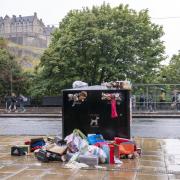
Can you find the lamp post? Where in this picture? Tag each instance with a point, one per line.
(11, 74)
(11, 78)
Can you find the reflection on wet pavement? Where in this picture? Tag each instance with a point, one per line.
(160, 161)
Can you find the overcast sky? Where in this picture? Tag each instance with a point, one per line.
(163, 12)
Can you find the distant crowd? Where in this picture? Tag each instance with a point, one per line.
(15, 103)
(148, 103)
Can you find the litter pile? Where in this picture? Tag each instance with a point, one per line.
(78, 150)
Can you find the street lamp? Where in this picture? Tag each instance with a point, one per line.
(11, 78)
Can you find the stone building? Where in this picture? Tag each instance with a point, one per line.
(26, 30)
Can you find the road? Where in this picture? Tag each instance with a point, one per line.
(155, 128)
(30, 126)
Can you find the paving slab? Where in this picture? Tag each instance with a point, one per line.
(159, 161)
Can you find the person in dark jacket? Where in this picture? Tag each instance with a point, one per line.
(142, 102)
(21, 101)
(7, 101)
(12, 106)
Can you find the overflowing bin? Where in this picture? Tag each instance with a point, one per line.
(97, 110)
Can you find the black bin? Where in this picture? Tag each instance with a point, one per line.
(94, 114)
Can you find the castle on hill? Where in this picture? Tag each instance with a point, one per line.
(26, 30)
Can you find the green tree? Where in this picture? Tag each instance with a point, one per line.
(102, 44)
(11, 76)
(171, 72)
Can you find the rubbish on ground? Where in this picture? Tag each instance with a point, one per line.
(56, 149)
(100, 167)
(89, 160)
(36, 143)
(18, 151)
(117, 161)
(95, 138)
(118, 140)
(111, 154)
(139, 151)
(46, 156)
(51, 139)
(77, 150)
(76, 165)
(42, 155)
(59, 141)
(69, 155)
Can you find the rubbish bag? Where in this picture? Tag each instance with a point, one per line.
(76, 141)
(57, 149)
(78, 84)
(95, 138)
(94, 150)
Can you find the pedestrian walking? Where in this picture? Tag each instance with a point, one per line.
(178, 101)
(21, 100)
(7, 100)
(133, 98)
(142, 102)
(174, 100)
(150, 104)
(12, 106)
(162, 98)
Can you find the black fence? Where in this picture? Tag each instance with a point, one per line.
(46, 101)
(156, 106)
(44, 105)
(144, 97)
(52, 101)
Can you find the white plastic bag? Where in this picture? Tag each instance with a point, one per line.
(76, 143)
(78, 84)
(94, 150)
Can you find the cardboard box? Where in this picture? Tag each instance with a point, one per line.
(89, 160)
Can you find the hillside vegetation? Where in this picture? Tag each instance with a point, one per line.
(27, 56)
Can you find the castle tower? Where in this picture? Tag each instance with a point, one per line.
(7, 24)
(25, 30)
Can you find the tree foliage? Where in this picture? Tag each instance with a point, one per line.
(101, 44)
(11, 74)
(171, 72)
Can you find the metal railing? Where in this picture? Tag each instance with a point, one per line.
(148, 97)
(145, 97)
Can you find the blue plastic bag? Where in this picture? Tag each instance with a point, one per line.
(93, 139)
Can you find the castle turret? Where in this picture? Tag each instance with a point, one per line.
(6, 17)
(26, 30)
(35, 14)
(6, 24)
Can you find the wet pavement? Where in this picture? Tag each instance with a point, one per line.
(160, 161)
(160, 155)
